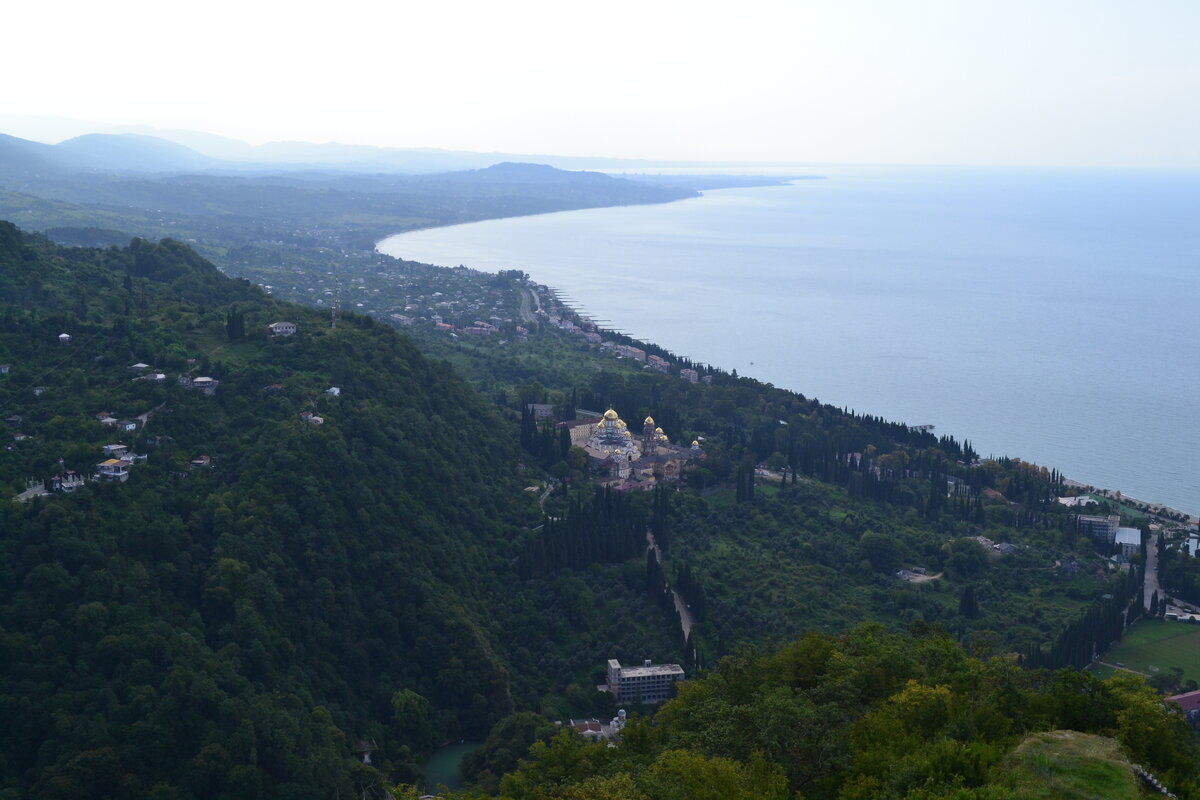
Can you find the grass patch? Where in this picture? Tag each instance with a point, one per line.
(1065, 765)
(1154, 645)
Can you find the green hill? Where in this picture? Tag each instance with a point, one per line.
(868, 715)
(1068, 765)
(233, 626)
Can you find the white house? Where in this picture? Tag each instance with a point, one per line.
(68, 482)
(282, 328)
(205, 384)
(64, 338)
(114, 469)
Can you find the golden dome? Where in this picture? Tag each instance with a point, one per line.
(658, 430)
(621, 424)
(649, 421)
(695, 443)
(610, 414)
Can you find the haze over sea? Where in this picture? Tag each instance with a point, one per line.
(1049, 315)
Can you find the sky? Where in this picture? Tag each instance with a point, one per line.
(1016, 82)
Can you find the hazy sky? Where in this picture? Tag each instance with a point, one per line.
(1046, 82)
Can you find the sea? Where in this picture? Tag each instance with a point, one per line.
(1049, 315)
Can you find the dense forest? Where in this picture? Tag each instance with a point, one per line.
(871, 715)
(802, 514)
(263, 593)
(337, 547)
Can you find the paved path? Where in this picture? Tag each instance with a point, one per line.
(1151, 584)
(686, 620)
(528, 297)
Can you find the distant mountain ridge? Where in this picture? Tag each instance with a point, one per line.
(207, 151)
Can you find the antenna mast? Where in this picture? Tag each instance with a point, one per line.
(337, 302)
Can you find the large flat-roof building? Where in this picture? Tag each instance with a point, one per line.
(1129, 540)
(1102, 529)
(649, 683)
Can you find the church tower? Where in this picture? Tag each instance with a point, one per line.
(648, 435)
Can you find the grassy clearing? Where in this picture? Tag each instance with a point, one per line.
(1064, 765)
(1153, 646)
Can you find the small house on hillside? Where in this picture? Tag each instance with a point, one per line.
(205, 384)
(282, 328)
(64, 338)
(114, 469)
(115, 450)
(67, 482)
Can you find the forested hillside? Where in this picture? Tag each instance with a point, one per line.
(869, 715)
(803, 516)
(264, 592)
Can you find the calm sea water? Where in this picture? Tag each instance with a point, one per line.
(1050, 315)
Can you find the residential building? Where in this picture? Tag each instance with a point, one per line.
(629, 351)
(64, 338)
(113, 469)
(68, 481)
(649, 683)
(1129, 540)
(1103, 530)
(689, 375)
(1189, 703)
(282, 328)
(115, 450)
(205, 384)
(541, 411)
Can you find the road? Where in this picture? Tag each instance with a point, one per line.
(1151, 580)
(527, 313)
(686, 620)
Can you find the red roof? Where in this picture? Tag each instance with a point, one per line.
(1188, 701)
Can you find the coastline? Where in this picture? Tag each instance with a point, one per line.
(1149, 507)
(1118, 496)
(1059, 441)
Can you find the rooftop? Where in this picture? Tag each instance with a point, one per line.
(1131, 536)
(653, 669)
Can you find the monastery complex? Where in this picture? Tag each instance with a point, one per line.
(630, 461)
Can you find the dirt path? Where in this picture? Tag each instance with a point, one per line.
(1110, 665)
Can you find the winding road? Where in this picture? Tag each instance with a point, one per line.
(686, 620)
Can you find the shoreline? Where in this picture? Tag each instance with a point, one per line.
(1152, 507)
(1118, 496)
